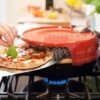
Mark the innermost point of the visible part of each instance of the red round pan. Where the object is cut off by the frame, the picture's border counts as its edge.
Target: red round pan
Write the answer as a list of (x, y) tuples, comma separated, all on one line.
[(82, 46)]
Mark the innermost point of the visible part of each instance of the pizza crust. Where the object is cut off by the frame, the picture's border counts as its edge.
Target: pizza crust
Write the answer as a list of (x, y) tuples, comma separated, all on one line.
[(34, 63), (65, 61)]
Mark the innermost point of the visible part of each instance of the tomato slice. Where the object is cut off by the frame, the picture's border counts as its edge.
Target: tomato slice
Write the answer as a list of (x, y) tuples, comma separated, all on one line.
[(39, 56), (42, 55), (35, 57)]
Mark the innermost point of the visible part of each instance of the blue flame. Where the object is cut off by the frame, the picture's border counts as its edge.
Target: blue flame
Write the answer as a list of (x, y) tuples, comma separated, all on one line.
[(56, 82)]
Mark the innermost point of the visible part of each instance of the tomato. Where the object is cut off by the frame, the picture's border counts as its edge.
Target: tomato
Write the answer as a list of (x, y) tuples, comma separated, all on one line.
[(35, 57), (42, 55), (39, 56), (8, 59)]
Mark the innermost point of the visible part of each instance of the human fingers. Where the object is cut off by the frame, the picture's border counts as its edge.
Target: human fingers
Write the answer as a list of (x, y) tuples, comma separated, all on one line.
[(5, 36), (8, 30), (4, 43), (14, 31), (11, 30)]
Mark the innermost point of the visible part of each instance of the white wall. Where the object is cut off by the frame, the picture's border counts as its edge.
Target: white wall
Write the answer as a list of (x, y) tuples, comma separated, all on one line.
[(59, 3), (3, 10)]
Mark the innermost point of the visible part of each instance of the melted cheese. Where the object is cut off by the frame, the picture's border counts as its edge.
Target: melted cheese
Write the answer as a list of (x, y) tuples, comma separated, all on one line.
[(3, 51), (27, 61)]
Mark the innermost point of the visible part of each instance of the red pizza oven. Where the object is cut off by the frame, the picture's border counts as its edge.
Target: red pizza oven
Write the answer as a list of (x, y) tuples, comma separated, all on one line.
[(82, 46)]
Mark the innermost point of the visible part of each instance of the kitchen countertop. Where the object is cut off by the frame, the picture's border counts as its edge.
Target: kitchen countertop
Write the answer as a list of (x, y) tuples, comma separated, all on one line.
[(63, 19)]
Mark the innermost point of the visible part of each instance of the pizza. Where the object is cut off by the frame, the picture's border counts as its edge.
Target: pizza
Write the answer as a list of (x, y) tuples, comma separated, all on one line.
[(28, 57)]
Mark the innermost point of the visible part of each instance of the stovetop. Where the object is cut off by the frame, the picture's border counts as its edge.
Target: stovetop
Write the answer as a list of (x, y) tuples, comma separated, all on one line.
[(82, 88), (86, 87)]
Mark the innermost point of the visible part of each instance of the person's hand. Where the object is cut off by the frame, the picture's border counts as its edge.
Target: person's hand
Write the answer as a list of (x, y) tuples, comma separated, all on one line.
[(7, 35)]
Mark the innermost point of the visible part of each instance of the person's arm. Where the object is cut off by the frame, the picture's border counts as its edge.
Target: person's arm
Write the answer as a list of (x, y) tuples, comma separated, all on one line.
[(7, 34)]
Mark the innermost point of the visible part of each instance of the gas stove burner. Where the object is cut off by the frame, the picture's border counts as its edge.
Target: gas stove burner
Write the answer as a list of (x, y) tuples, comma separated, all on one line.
[(56, 86), (56, 82)]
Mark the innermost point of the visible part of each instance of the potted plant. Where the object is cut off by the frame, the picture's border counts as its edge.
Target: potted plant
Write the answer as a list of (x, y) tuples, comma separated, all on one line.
[(96, 12)]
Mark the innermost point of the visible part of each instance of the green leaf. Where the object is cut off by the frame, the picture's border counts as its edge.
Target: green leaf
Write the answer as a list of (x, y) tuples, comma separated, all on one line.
[(12, 52), (27, 57)]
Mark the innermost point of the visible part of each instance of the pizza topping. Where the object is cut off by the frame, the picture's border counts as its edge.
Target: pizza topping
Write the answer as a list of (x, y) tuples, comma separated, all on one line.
[(14, 60), (12, 52), (23, 54), (19, 50), (3, 51), (42, 55), (27, 61), (27, 57), (20, 59), (38, 55), (3, 55), (8, 59), (29, 51)]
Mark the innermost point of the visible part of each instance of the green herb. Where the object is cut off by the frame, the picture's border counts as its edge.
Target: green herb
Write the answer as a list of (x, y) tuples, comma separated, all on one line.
[(27, 57), (12, 52)]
